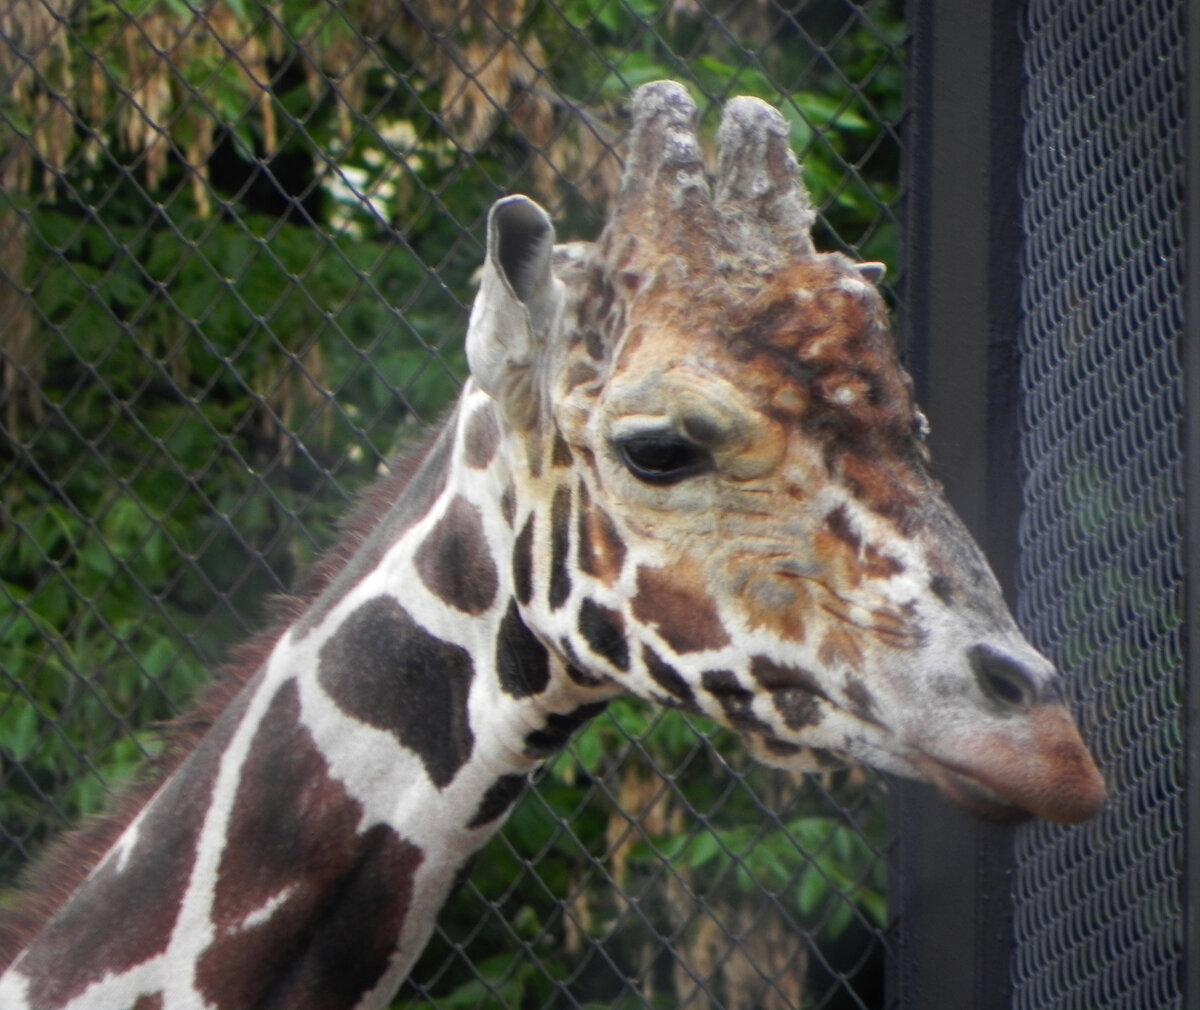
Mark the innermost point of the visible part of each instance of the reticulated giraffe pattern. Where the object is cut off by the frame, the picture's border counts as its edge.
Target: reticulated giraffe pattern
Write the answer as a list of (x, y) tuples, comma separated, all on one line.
[(687, 465)]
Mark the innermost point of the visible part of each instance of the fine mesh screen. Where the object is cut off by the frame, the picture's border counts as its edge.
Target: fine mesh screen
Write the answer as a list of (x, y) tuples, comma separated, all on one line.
[(1098, 908)]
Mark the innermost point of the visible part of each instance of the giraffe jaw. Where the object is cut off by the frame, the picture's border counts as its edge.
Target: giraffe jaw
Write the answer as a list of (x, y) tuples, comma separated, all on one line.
[(967, 792)]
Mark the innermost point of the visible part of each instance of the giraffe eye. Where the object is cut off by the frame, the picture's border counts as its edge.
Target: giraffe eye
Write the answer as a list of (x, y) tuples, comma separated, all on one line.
[(664, 458)]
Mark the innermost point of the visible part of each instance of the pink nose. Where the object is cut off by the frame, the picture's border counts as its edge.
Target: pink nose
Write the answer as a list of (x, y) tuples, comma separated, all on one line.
[(1039, 766)]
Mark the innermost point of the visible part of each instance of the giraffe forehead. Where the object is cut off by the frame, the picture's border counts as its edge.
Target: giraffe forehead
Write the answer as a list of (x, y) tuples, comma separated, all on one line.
[(809, 344), (815, 345)]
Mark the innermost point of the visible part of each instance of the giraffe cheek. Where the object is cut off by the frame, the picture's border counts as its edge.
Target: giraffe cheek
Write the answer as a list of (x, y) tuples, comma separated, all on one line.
[(671, 601), (601, 549), (775, 604), (839, 558), (604, 632), (840, 649)]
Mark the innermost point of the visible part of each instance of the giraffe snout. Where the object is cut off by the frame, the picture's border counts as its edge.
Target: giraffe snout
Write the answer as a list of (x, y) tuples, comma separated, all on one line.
[(1033, 764)]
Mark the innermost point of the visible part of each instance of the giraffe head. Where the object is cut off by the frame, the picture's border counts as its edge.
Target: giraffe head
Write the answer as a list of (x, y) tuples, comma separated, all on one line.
[(723, 497)]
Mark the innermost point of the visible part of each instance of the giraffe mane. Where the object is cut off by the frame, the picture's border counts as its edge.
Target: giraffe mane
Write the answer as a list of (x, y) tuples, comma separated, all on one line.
[(44, 886)]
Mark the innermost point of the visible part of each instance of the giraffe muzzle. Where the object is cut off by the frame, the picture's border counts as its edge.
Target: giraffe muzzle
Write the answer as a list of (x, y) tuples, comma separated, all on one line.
[(1043, 769)]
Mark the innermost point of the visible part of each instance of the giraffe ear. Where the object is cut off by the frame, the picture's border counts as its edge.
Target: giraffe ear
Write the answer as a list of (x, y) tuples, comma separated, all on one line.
[(518, 305)]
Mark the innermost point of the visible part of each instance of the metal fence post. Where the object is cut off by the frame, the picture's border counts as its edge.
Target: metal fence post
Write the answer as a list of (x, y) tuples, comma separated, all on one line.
[(950, 891)]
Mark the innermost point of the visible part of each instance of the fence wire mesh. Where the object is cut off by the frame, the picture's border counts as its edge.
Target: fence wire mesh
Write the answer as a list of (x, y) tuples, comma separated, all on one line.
[(1100, 909), (237, 247)]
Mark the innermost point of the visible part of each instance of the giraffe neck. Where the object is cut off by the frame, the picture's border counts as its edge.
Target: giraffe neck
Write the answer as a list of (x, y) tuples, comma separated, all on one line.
[(300, 854)]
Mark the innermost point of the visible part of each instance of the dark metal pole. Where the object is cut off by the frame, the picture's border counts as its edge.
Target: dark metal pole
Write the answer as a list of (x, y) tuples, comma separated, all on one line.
[(951, 873)]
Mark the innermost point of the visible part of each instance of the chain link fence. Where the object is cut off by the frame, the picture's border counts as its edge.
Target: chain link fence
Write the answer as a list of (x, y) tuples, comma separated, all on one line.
[(237, 250)]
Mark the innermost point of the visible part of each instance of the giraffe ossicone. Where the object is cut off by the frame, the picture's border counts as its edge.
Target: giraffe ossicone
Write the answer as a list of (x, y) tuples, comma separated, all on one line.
[(688, 465)]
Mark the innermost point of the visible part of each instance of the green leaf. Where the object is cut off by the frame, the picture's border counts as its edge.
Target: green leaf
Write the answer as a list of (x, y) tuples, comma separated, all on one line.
[(19, 723), (97, 559), (812, 891), (704, 848), (874, 904), (840, 916), (586, 751)]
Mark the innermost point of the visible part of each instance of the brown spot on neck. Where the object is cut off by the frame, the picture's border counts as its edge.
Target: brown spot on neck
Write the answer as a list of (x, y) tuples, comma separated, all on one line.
[(340, 896), (385, 669), (482, 438), (417, 478), (455, 562)]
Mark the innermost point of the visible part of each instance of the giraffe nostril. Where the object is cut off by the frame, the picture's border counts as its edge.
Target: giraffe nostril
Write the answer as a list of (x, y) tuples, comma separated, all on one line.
[(1002, 678)]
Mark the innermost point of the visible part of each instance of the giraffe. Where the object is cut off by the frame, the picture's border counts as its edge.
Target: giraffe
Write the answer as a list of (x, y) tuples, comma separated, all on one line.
[(687, 465)]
